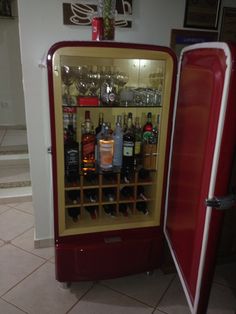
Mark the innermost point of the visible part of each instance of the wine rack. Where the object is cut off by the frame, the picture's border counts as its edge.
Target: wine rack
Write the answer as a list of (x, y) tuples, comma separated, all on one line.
[(101, 185)]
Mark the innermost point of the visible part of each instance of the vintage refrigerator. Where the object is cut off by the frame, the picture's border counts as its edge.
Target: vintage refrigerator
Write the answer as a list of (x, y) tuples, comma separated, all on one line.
[(185, 177)]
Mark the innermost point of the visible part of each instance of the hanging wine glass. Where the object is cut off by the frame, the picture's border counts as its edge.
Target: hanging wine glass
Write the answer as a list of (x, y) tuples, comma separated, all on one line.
[(67, 77)]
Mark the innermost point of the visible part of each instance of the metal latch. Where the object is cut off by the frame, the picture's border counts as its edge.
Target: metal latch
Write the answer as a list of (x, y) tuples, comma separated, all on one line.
[(221, 203)]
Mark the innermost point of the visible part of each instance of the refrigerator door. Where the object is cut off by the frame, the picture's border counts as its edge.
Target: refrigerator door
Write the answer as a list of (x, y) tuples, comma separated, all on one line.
[(201, 154)]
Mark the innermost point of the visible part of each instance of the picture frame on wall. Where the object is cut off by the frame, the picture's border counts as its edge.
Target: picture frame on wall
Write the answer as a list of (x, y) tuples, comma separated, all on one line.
[(228, 25), (181, 38), (202, 14)]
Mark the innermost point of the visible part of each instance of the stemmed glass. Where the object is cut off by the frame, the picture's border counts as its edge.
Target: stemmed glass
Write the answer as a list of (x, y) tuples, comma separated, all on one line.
[(81, 82), (93, 80), (67, 76)]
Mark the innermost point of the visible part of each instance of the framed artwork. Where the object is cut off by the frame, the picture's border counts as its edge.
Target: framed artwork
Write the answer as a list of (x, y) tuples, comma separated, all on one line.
[(228, 25), (181, 38), (202, 13)]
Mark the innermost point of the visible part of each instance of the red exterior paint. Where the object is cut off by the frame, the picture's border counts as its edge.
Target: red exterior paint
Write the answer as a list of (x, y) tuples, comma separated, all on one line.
[(199, 102), (77, 256)]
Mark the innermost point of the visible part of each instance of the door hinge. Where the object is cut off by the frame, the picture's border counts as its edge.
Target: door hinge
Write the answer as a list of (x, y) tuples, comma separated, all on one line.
[(221, 203)]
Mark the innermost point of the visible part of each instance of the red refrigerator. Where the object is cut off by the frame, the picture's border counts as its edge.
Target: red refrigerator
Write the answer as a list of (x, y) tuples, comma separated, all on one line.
[(178, 188)]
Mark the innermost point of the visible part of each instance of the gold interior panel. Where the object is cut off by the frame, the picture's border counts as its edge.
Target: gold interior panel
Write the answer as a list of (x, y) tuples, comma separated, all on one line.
[(142, 66)]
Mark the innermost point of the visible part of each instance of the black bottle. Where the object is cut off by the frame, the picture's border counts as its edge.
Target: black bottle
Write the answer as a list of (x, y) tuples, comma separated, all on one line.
[(127, 192), (92, 210), (142, 207), (128, 150), (143, 174), (110, 195), (74, 196), (141, 192), (74, 213), (91, 195), (123, 208), (71, 155), (110, 209)]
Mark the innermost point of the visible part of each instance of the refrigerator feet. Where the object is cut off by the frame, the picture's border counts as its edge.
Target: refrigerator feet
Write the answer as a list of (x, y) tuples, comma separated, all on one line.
[(65, 285)]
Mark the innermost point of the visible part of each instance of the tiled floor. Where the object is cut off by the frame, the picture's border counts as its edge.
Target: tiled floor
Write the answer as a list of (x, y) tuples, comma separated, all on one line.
[(28, 285)]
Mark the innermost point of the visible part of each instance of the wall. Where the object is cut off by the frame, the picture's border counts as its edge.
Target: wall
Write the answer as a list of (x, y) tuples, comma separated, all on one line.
[(41, 26), (12, 108)]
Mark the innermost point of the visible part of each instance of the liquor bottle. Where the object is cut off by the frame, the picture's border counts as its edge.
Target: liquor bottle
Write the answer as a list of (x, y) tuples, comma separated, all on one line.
[(138, 142), (92, 210), (74, 213), (71, 155), (128, 150), (98, 137), (106, 150), (73, 196), (91, 195), (125, 122), (118, 143), (100, 122), (88, 144), (141, 192), (110, 209), (147, 129), (123, 208), (142, 207)]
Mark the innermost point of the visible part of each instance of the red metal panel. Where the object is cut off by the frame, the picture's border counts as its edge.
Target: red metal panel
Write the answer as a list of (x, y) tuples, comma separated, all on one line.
[(199, 103)]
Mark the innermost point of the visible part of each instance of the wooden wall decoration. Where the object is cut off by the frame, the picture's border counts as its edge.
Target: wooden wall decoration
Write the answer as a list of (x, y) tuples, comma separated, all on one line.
[(82, 13)]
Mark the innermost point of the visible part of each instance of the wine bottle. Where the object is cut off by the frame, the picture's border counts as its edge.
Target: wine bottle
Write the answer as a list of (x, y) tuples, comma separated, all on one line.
[(147, 129), (141, 192), (91, 195), (143, 174), (74, 213), (142, 207), (110, 194), (88, 144), (100, 122), (127, 192), (106, 150), (71, 154), (155, 131), (92, 210), (128, 149), (110, 209), (118, 143), (123, 208), (138, 142), (74, 196)]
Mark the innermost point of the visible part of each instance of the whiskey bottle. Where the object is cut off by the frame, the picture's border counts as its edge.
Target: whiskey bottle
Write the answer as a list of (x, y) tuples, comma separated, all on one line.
[(128, 149), (106, 150), (88, 145), (118, 143), (71, 155)]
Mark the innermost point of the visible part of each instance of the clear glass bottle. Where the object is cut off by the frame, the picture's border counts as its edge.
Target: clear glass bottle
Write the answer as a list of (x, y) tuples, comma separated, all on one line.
[(118, 143), (106, 150), (88, 144)]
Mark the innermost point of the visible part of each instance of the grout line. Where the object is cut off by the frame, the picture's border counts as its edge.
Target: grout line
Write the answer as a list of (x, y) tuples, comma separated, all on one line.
[(126, 295), (82, 296), (4, 134), (165, 291), (20, 281), (12, 304)]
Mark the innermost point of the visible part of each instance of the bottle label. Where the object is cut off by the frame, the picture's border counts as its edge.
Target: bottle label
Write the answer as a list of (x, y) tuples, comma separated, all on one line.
[(146, 136), (128, 149), (106, 153), (88, 148)]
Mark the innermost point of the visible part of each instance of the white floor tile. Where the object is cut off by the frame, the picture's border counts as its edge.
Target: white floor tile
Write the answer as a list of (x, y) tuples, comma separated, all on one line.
[(101, 300), (148, 289), (15, 266), (41, 293), (3, 208), (6, 308), (13, 223), (226, 275), (15, 137), (26, 242), (222, 300), (23, 206), (174, 301)]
